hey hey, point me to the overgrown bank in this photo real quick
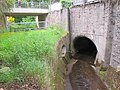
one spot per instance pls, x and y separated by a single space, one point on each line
29 55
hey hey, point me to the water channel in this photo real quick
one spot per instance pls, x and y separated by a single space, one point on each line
80 72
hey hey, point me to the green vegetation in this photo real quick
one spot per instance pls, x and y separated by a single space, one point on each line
24 19
22 23
66 3
20 27
29 54
4 6
102 72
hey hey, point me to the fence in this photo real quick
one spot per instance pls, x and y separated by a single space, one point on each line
42 5
80 2
26 26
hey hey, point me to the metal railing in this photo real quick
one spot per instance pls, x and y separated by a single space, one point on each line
26 26
42 5
79 2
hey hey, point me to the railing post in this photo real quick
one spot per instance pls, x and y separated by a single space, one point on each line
27 4
14 5
39 5
49 6
42 5
32 4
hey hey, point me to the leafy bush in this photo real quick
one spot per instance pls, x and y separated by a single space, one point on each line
66 3
28 19
10 19
21 27
30 53
22 23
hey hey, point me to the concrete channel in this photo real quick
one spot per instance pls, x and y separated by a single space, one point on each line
80 72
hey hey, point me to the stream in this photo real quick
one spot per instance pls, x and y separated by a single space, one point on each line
81 75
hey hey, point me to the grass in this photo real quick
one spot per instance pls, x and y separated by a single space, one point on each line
31 53
102 72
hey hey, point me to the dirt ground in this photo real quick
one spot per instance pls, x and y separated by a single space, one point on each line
28 84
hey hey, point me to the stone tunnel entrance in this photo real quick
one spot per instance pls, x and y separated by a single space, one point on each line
83 47
80 74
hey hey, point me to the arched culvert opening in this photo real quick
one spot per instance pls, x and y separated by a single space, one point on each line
83 46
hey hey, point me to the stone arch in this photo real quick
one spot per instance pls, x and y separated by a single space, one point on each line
85 47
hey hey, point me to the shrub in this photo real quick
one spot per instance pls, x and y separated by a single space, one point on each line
22 27
10 19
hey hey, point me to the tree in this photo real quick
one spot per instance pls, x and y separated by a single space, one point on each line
4 6
66 3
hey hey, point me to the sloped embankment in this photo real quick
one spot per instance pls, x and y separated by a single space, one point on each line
29 60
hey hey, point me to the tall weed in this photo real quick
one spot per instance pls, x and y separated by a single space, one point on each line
29 53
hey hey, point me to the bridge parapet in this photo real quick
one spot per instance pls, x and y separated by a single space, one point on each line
42 5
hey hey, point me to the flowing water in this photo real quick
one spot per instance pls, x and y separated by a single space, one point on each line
81 76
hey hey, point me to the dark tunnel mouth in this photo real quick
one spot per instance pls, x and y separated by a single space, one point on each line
85 46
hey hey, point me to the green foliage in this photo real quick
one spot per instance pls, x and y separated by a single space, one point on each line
10 19
28 54
28 19
66 0
5 5
24 19
103 68
102 72
19 27
34 0
18 18
3 30
66 3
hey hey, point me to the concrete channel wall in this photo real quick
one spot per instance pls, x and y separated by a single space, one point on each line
91 21
61 62
100 22
58 18
115 56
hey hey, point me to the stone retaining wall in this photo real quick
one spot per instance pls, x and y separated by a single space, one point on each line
91 20
112 78
100 22
58 18
61 63
115 56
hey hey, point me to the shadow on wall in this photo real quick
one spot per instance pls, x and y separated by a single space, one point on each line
83 46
